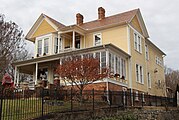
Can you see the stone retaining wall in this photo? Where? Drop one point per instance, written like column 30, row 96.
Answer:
column 139, row 114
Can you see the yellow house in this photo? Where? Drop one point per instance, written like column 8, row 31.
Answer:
column 121, row 42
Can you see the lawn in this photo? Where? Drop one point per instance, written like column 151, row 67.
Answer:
column 20, row 109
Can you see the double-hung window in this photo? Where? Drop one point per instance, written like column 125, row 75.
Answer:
column 56, row 45
column 123, row 70
column 159, row 61
column 97, row 39
column 146, row 52
column 46, row 45
column 39, row 47
column 137, row 43
column 139, row 74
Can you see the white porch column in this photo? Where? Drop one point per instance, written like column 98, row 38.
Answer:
column 36, row 73
column 73, row 44
column 15, row 75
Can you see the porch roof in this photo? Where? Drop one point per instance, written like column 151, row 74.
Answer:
column 69, row 53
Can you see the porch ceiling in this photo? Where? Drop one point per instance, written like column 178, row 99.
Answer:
column 27, row 69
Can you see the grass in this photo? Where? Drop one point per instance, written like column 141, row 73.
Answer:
column 20, row 109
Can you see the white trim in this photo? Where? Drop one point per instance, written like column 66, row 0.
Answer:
column 36, row 73
column 129, row 40
column 35, row 29
column 73, row 41
column 51, row 24
column 15, row 74
column 105, row 80
column 130, row 72
column 136, row 31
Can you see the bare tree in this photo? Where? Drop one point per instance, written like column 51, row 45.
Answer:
column 12, row 46
column 171, row 78
column 81, row 71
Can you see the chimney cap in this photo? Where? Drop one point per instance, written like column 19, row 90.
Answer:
column 101, row 8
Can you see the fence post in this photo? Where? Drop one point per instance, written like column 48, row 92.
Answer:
column 93, row 98
column 142, row 99
column 133, row 98
column 71, row 100
column 1, row 102
column 42, row 102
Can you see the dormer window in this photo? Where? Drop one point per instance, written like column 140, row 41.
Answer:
column 97, row 39
column 42, row 46
column 46, row 45
column 39, row 49
column 56, row 45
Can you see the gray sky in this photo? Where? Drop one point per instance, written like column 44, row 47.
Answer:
column 160, row 17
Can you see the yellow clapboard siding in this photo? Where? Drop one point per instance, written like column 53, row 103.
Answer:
column 44, row 28
column 136, row 25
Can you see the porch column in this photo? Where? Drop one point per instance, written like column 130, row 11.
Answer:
column 36, row 73
column 73, row 44
column 15, row 75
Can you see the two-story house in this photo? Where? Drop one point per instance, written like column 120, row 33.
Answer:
column 120, row 41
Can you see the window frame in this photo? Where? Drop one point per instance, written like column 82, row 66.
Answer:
column 137, row 42
column 149, row 80
column 146, row 52
column 139, row 74
column 46, row 46
column 39, row 47
column 94, row 40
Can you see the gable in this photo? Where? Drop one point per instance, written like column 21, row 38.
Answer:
column 43, row 28
column 135, row 23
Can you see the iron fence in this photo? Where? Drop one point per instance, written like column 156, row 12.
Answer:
column 27, row 104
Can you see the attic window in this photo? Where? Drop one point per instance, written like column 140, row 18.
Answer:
column 97, row 39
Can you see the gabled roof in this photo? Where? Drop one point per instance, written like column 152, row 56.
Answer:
column 58, row 24
column 114, row 20
column 118, row 18
column 55, row 24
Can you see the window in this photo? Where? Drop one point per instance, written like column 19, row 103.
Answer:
column 39, row 49
column 97, row 39
column 118, row 65
column 103, row 59
column 46, row 45
column 56, row 45
column 123, row 70
column 149, row 80
column 146, row 52
column 159, row 61
column 137, row 43
column 139, row 74
column 111, row 62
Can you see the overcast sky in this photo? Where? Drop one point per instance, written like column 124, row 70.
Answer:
column 160, row 16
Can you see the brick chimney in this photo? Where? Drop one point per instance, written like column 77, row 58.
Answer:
column 79, row 19
column 101, row 13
